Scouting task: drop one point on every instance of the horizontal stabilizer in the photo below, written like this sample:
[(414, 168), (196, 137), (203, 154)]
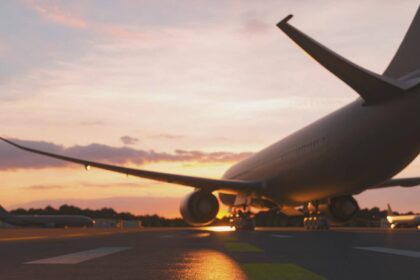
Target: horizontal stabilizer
[(407, 58), (373, 88)]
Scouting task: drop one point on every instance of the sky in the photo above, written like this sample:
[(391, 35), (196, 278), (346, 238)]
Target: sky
[(186, 87)]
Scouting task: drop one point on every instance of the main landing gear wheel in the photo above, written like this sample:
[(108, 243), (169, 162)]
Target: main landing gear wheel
[(315, 223), (242, 220)]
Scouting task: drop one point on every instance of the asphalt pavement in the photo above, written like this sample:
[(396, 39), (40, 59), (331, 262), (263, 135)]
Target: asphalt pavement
[(209, 253)]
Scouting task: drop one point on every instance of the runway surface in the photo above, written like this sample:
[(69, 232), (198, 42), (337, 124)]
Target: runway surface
[(208, 254)]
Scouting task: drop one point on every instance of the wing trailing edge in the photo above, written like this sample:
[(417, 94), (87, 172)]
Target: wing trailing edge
[(373, 88), (233, 186)]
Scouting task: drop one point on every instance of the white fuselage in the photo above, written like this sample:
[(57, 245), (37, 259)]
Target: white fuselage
[(353, 149), (409, 220)]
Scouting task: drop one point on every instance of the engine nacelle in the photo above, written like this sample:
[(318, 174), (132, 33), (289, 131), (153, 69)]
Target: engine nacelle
[(340, 209), (199, 208)]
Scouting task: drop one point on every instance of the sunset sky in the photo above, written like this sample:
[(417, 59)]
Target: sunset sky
[(185, 87)]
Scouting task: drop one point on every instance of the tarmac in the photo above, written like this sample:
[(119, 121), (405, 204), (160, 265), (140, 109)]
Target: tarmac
[(209, 253)]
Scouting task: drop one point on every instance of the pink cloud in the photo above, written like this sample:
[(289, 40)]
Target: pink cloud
[(121, 32), (56, 14), (12, 158)]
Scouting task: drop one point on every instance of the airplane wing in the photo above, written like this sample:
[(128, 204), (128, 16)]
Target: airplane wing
[(233, 186), (401, 182), (373, 88)]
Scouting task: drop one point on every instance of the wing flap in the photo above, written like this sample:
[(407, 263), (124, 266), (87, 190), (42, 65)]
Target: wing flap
[(233, 186), (373, 88)]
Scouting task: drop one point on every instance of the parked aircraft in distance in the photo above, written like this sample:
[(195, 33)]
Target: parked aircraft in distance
[(358, 147), (402, 220), (49, 221)]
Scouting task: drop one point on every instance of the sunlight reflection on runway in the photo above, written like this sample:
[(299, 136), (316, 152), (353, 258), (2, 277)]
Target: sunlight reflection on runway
[(208, 264)]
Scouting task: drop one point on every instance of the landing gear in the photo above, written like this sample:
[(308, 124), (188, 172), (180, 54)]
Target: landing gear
[(315, 219), (315, 223), (242, 220)]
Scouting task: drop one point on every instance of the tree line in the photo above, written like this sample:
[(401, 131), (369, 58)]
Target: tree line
[(364, 218)]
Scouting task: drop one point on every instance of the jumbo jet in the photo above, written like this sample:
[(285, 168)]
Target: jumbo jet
[(358, 147), (45, 220), (402, 220)]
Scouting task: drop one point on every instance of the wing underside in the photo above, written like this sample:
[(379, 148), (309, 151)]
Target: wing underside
[(229, 186), (400, 182)]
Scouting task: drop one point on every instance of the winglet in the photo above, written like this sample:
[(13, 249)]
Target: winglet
[(373, 88), (285, 20)]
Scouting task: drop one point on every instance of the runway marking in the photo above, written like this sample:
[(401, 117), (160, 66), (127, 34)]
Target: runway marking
[(282, 236), (269, 271), (405, 253), (241, 247), (82, 256), (75, 234), (23, 238)]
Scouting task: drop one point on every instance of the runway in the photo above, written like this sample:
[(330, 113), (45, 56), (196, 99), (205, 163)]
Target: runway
[(208, 254)]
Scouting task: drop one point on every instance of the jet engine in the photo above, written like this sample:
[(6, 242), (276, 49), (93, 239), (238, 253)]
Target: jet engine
[(340, 209), (199, 208)]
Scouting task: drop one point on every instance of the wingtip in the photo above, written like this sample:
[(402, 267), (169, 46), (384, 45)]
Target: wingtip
[(8, 141), (284, 21)]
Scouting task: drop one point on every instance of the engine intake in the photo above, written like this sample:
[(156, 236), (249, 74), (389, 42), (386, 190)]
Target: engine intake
[(199, 208), (340, 209)]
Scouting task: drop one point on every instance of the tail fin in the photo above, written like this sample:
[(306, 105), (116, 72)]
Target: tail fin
[(373, 88), (407, 58), (390, 212)]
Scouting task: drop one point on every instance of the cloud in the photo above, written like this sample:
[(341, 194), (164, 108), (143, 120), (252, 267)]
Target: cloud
[(12, 158), (87, 185), (166, 136), (92, 123), (128, 140), (54, 13), (43, 187), (254, 25)]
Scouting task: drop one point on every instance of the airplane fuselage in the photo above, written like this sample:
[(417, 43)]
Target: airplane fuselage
[(404, 220), (346, 152)]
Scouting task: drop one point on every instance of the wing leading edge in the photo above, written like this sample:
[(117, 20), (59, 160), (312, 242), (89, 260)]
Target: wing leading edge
[(233, 186), (400, 182)]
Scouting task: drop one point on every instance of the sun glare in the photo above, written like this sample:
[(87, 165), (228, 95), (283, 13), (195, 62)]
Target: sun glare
[(220, 228)]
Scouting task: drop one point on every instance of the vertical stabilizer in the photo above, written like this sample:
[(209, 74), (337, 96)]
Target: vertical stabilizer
[(390, 212), (407, 58)]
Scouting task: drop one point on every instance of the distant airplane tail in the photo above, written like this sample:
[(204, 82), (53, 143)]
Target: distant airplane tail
[(390, 212)]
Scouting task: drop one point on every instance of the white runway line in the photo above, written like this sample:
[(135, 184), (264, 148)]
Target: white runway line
[(282, 236), (82, 256), (405, 253)]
